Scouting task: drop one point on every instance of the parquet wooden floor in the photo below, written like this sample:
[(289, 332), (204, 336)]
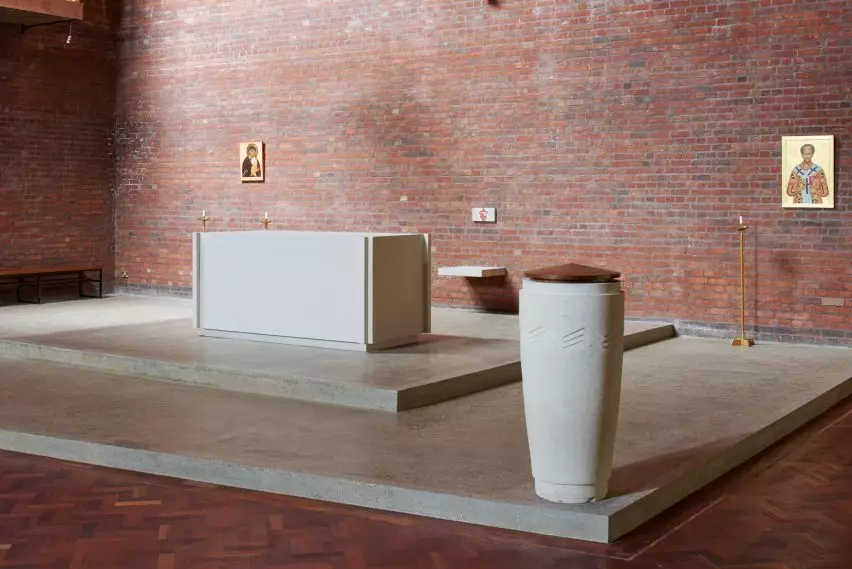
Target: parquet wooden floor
[(790, 508)]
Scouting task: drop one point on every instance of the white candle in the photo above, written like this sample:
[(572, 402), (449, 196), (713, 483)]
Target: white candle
[(265, 215), (741, 220), (203, 213)]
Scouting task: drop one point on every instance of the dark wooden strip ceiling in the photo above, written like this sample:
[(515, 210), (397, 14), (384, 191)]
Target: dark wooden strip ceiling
[(36, 12)]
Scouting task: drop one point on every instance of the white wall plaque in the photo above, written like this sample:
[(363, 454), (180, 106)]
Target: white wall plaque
[(484, 214)]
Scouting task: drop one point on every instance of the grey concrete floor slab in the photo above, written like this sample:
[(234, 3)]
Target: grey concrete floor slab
[(153, 336), (691, 410)]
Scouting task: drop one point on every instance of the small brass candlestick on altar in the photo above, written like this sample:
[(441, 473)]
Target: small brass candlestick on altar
[(203, 219), (265, 221), (742, 341)]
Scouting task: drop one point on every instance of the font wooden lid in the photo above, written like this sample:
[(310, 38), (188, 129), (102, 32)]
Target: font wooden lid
[(572, 273)]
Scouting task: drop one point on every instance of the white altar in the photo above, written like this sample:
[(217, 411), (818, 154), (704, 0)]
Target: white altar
[(351, 291)]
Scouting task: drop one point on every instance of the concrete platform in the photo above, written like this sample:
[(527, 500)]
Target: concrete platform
[(691, 410), (153, 337)]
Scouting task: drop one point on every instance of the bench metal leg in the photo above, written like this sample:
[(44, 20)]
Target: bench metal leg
[(99, 282), (38, 289), (36, 285)]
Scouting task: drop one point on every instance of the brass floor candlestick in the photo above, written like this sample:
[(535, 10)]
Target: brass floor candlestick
[(742, 341), (265, 221), (203, 219)]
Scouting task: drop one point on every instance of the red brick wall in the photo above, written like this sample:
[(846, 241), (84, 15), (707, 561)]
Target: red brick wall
[(622, 134), (57, 101)]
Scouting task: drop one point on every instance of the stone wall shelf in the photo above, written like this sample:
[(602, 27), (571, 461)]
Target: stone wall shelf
[(28, 13), (471, 271)]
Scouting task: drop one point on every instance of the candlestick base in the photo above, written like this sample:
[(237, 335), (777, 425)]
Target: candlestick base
[(743, 342)]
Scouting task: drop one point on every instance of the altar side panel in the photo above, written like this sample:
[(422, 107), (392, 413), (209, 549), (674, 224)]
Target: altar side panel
[(398, 292), (196, 296), (305, 285)]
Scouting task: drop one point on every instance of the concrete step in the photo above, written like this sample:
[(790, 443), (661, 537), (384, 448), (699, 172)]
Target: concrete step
[(469, 352), (691, 409)]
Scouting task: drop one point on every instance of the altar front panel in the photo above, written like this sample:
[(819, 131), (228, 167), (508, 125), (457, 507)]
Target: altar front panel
[(291, 284)]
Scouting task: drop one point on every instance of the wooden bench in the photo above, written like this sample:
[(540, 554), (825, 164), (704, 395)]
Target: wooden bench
[(40, 277)]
